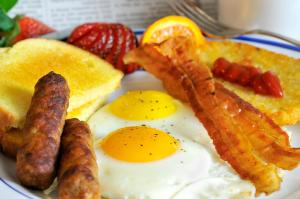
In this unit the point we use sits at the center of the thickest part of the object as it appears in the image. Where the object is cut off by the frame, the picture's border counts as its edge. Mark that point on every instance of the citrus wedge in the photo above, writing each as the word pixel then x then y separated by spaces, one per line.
pixel 172 26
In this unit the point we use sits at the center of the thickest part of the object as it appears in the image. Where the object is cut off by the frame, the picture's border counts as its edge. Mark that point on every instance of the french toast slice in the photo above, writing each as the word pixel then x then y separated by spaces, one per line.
pixel 283 111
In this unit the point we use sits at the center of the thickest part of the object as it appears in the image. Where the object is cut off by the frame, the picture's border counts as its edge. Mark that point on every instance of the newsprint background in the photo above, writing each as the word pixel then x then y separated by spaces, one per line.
pixel 63 14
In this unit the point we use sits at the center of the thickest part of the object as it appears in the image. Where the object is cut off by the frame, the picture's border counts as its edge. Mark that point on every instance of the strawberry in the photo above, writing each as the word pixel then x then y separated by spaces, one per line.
pixel 109 41
pixel 20 28
pixel 30 27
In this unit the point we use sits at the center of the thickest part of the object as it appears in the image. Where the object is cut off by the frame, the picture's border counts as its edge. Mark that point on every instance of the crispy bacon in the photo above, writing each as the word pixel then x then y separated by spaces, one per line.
pixel 252 143
pixel 267 138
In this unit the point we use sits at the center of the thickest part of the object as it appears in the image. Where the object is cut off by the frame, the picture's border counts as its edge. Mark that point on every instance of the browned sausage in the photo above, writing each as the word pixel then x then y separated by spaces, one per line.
pixel 42 130
pixel 78 171
pixel 11 142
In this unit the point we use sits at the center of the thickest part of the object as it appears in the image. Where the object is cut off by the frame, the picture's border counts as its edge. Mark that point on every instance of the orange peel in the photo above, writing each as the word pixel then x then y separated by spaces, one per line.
pixel 172 26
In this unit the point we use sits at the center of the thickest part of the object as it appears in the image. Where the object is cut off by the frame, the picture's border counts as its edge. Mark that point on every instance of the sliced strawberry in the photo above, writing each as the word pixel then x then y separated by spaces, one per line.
pixel 115 43
pixel 88 39
pixel 108 41
pixel 117 52
pixel 105 49
pixel 100 45
pixel 124 46
pixel 80 32
pixel 132 43
pixel 99 40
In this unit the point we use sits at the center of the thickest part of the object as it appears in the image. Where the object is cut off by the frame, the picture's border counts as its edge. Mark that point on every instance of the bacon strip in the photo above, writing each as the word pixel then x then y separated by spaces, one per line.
pixel 252 143
pixel 267 138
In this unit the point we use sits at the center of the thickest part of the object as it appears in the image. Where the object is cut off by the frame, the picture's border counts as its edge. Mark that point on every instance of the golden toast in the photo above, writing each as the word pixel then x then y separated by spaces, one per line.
pixel 90 78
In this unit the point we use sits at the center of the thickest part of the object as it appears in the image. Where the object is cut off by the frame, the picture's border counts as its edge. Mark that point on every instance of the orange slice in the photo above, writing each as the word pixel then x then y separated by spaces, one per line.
pixel 172 26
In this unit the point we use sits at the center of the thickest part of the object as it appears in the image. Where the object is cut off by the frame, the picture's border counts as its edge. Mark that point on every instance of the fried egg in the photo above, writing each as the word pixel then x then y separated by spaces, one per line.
pixel 151 146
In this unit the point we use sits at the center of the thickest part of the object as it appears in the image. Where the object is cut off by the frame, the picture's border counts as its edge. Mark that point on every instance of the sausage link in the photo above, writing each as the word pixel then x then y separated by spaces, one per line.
pixel 36 159
pixel 11 142
pixel 78 171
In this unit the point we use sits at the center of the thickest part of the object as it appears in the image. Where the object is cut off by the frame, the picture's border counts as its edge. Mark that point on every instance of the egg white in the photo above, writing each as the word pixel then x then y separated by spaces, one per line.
pixel 193 172
pixel 157 179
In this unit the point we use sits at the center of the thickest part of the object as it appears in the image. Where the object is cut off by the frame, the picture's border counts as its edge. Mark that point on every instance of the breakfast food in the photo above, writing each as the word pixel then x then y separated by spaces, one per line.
pixel 11 141
pixel 90 79
pixel 266 83
pixel 36 159
pixel 110 41
pixel 172 26
pixel 150 145
pixel 78 171
pixel 239 131
pixel 86 110
pixel 20 28
pixel 283 111
pixel 29 28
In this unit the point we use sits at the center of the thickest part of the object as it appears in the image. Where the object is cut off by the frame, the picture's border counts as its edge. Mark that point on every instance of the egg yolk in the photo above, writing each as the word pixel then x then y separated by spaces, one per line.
pixel 139 144
pixel 143 105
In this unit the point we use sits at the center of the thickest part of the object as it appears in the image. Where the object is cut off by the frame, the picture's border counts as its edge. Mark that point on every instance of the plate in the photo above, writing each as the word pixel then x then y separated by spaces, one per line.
pixel 10 188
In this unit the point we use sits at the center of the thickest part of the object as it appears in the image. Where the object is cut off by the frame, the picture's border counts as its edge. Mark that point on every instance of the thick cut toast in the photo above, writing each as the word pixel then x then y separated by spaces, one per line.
pixel 284 110
pixel 90 78
pixel 85 111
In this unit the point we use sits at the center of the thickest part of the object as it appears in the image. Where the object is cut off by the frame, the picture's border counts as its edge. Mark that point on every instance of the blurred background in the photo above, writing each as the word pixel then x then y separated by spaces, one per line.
pixel 277 16
pixel 62 14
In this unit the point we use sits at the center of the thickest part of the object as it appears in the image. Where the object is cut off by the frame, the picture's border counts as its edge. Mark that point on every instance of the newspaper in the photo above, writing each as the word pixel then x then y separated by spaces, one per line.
pixel 63 14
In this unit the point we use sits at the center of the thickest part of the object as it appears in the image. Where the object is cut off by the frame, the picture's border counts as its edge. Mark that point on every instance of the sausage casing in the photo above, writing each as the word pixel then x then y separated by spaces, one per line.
pixel 42 130
pixel 78 171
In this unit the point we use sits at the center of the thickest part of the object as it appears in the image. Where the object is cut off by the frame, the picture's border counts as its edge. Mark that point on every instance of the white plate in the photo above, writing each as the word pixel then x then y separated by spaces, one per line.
pixel 10 188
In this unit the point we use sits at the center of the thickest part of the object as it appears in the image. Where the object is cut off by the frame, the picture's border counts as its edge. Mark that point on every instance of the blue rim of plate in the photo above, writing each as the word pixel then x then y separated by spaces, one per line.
pixel 253 40
pixel 14 189
pixel 240 38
